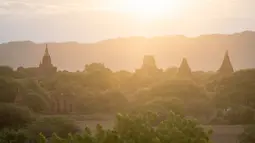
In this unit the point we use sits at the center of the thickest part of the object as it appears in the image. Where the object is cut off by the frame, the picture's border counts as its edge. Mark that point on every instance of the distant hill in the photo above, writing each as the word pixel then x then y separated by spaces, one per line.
pixel 203 53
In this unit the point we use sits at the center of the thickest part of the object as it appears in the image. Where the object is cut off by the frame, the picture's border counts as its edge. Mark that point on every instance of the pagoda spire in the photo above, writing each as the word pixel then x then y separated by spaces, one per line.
pixel 226 66
pixel 46 53
pixel 184 69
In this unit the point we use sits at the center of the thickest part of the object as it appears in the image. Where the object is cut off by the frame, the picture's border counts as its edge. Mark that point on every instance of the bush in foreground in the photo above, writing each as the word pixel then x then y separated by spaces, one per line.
pixel 248 136
pixel 49 125
pixel 12 136
pixel 241 115
pixel 139 128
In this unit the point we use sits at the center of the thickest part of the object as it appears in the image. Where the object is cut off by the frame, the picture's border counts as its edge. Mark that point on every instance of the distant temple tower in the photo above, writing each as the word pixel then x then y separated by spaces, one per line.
pixel 184 69
pixel 46 61
pixel 46 65
pixel 149 66
pixel 226 66
pixel 149 62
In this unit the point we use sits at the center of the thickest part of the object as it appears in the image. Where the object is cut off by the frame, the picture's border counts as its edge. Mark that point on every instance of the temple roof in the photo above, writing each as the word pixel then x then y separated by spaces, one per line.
pixel 184 69
pixel 149 61
pixel 226 66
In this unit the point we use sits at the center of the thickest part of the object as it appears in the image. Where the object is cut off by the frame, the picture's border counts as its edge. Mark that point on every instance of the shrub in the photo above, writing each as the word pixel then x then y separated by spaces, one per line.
pixel 12 136
pixel 49 125
pixel 248 136
pixel 175 128
pixel 186 90
pixel 237 89
pixel 33 95
pixel 114 100
pixel 35 102
pixel 6 70
pixel 8 88
pixel 13 116
pixel 241 115
pixel 138 128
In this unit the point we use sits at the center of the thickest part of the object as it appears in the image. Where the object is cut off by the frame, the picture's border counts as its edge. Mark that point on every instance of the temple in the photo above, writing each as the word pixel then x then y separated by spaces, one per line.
pixel 149 67
pixel 46 66
pixel 184 69
pixel 226 66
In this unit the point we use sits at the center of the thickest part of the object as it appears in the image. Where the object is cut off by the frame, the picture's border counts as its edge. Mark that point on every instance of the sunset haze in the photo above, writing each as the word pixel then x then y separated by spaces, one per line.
pixel 95 20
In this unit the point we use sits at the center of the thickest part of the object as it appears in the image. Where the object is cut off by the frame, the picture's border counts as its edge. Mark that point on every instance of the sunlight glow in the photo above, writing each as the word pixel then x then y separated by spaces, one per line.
pixel 152 8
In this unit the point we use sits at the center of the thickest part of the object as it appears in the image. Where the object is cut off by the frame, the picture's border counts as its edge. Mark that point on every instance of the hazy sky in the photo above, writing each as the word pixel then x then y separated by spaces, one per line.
pixel 93 20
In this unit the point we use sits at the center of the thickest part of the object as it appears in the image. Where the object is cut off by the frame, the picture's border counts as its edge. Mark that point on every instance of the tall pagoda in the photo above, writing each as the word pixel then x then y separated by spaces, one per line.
pixel 149 67
pixel 46 65
pixel 226 66
pixel 184 69
pixel 149 62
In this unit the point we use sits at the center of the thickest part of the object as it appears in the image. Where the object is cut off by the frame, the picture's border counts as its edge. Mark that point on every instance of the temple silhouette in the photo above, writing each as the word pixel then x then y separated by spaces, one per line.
pixel 184 69
pixel 45 67
pixel 226 66
pixel 63 103
pixel 148 68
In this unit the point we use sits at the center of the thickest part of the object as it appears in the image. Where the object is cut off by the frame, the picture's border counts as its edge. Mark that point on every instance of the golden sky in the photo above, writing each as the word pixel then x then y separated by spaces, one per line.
pixel 93 20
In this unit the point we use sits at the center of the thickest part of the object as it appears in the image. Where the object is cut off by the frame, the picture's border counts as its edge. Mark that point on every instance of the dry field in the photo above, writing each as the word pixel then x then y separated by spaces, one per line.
pixel 222 133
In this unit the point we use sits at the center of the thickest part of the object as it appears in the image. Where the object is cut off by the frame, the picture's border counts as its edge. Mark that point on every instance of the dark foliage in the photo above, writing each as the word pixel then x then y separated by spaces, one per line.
pixel 248 136
pixel 237 89
pixel 6 71
pixel 240 115
pixel 12 136
pixel 8 89
pixel 12 116
pixel 50 125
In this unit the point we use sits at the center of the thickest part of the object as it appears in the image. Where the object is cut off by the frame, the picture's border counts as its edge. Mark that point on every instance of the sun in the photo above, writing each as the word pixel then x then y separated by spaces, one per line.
pixel 151 8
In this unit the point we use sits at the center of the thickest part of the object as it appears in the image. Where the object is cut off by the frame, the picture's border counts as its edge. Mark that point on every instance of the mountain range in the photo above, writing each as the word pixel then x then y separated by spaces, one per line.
pixel 204 52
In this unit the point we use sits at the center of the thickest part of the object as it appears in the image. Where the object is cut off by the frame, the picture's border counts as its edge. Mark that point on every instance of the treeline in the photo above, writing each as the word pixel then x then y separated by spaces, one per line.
pixel 207 96
pixel 204 95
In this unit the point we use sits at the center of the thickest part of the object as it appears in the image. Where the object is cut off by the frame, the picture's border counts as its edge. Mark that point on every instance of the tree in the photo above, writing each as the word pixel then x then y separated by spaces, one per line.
pixel 49 125
pixel 34 96
pixel 96 67
pixel 185 90
pixel 115 100
pixel 6 70
pixel 13 116
pixel 122 79
pixel 248 136
pixel 8 88
pixel 237 89
pixel 98 76
pixel 35 102
pixel 240 115
pixel 141 128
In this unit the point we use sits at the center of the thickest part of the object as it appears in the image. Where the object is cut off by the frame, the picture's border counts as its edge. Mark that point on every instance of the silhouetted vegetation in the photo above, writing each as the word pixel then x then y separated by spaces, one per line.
pixel 222 97
pixel 49 125
pixel 14 117
pixel 248 136
pixel 138 127
pixel 202 95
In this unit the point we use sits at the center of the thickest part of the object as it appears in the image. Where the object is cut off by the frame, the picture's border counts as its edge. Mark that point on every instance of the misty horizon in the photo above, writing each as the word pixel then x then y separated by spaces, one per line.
pixel 132 36
pixel 207 52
